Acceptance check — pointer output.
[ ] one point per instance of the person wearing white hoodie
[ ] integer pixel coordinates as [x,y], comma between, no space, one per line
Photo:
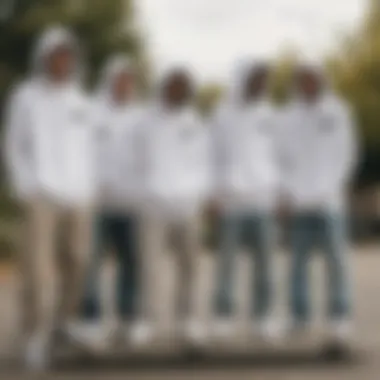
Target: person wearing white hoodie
[116,114]
[245,191]
[319,150]
[49,154]
[173,146]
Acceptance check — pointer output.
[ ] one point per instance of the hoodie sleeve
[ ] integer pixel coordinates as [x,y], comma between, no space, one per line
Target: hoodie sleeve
[342,150]
[140,155]
[282,138]
[18,145]
[219,154]
[347,147]
[201,163]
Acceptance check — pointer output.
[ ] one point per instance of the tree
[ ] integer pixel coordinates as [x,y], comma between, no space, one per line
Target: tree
[356,72]
[103,27]
[208,97]
[283,70]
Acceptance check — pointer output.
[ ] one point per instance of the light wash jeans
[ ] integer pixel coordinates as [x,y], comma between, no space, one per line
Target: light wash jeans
[326,231]
[255,231]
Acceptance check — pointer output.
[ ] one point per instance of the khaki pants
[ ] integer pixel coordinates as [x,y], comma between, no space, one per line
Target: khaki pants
[53,263]
[183,238]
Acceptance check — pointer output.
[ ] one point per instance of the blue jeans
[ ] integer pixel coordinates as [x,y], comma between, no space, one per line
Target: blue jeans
[117,231]
[254,231]
[326,231]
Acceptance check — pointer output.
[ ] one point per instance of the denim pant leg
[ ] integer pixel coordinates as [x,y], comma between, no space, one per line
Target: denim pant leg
[229,243]
[91,303]
[303,231]
[333,241]
[125,241]
[259,238]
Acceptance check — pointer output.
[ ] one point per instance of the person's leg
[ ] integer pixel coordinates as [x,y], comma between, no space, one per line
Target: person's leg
[91,303]
[196,327]
[334,243]
[153,237]
[303,230]
[179,243]
[79,241]
[188,255]
[39,280]
[229,235]
[126,244]
[260,239]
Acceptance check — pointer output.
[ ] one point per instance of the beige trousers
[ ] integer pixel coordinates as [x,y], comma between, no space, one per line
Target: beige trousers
[177,241]
[53,263]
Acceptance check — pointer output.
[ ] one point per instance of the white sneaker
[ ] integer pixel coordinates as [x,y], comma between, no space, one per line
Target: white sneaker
[37,354]
[94,336]
[141,333]
[300,331]
[195,332]
[268,330]
[224,328]
[340,331]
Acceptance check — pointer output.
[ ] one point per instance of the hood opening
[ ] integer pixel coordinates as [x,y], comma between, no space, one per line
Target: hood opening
[250,82]
[177,88]
[60,42]
[256,82]
[310,83]
[118,75]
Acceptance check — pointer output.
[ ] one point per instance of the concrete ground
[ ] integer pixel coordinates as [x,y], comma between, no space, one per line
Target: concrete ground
[239,359]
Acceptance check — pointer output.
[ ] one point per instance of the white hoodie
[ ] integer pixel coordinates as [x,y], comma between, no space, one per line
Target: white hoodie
[319,151]
[116,124]
[49,149]
[174,160]
[244,137]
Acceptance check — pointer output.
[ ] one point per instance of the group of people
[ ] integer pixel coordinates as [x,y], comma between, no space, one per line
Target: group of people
[109,170]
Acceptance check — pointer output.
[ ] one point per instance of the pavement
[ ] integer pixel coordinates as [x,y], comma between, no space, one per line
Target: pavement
[240,358]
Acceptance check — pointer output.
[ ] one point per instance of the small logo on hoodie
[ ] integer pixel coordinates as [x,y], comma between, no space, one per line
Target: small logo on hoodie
[103,133]
[326,124]
[187,133]
[78,116]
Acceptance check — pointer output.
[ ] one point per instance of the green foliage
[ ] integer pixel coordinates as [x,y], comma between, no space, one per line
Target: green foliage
[282,75]
[356,73]
[208,97]
[103,27]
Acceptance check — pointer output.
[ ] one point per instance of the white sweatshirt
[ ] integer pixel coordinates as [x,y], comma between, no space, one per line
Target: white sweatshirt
[174,161]
[115,124]
[245,157]
[319,151]
[49,137]
[116,168]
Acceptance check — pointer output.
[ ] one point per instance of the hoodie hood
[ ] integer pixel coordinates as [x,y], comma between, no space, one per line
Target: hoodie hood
[51,39]
[115,65]
[320,75]
[243,70]
[163,77]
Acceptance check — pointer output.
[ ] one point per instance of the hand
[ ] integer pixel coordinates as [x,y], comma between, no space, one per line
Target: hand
[283,211]
[213,210]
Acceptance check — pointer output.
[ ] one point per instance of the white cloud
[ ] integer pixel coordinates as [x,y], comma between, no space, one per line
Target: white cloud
[211,34]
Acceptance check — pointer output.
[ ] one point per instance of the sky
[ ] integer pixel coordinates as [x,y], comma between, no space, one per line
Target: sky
[211,35]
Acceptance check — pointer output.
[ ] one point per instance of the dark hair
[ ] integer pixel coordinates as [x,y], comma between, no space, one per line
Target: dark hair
[259,70]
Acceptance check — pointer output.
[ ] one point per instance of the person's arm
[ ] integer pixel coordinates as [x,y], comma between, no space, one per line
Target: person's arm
[350,151]
[18,149]
[140,156]
[219,156]
[203,160]
[346,152]
[284,159]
